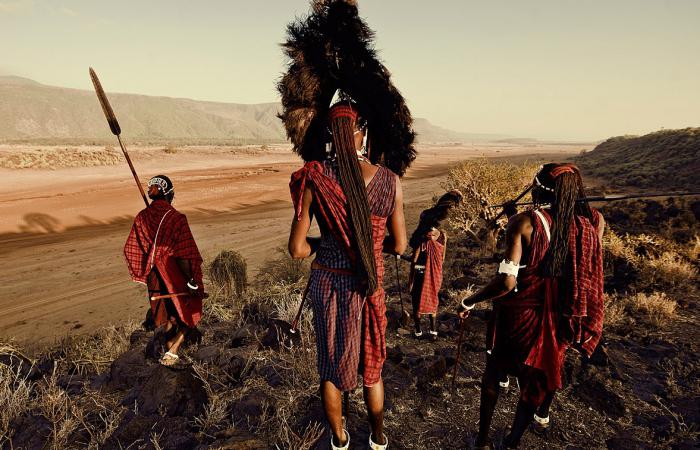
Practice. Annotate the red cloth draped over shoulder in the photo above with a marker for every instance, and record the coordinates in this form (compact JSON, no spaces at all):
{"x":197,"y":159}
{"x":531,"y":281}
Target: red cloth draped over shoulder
{"x":331,"y":206}
{"x":530,"y":320}
{"x":159,"y":237}
{"x":434,"y":251}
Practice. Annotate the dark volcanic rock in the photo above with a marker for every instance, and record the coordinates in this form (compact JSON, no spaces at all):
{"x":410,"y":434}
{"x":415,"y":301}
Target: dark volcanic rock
{"x":242,"y":336}
{"x":209,"y":354}
{"x":128,"y":369}
{"x":625,"y":441}
{"x":279,"y":335}
{"x":599,"y":397}
{"x":30,"y":431}
{"x":235,"y":440}
{"x":17,"y":363}
{"x":232,"y":364}
{"x":430,"y":369}
{"x":397,"y":379}
{"x":249,"y":409}
{"x":172,"y":393}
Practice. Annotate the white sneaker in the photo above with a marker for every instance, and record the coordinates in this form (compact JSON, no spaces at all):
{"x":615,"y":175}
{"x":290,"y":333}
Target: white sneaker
{"x":347,"y":443}
{"x":375,"y":446}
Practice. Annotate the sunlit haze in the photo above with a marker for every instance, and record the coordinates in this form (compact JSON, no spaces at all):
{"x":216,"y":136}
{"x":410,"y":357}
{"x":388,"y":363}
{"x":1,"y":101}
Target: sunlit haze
{"x":557,"y":69}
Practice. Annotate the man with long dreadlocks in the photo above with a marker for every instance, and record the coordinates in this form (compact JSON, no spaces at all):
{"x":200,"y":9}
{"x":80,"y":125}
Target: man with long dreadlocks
{"x":162,"y":254}
{"x":352,"y":189}
{"x":429,"y":244}
{"x":549,"y":290}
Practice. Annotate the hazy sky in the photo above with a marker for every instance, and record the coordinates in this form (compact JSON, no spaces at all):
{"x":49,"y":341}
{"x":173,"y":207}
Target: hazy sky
{"x":558,"y":69}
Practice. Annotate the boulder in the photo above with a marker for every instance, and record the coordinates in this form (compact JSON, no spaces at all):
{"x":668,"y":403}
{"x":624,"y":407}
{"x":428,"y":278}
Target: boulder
{"x":30,"y":431}
{"x":172,"y":393}
{"x":248,"y":410}
{"x":128,"y":369}
{"x":208,"y":355}
{"x":279,"y":336}
{"x":242,"y":336}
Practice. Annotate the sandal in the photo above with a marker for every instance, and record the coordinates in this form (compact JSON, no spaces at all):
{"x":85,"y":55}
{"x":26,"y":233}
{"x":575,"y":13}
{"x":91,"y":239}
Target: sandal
{"x":169,"y":359}
{"x":374,"y":446}
{"x":541,"y":424}
{"x":503,"y":386}
{"x":344,"y":447}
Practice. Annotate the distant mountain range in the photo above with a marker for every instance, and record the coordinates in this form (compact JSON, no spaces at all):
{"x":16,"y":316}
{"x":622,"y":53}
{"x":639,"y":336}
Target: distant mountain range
{"x":31,"y":111}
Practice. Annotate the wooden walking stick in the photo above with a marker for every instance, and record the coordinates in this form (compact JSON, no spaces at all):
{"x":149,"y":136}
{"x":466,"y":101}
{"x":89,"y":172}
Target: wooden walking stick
{"x":459,"y":353}
{"x":295,"y":323}
{"x":114,"y":126}
{"x":462,"y":323}
{"x":405,"y":318}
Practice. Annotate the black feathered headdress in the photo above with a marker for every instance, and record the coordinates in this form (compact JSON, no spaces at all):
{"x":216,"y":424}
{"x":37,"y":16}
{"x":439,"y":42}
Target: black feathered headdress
{"x":433,"y":217}
{"x":332,"y":50}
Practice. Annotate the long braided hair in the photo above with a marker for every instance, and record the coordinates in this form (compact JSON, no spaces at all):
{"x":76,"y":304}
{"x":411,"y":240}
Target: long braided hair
{"x":343,"y":118}
{"x":560,"y":185}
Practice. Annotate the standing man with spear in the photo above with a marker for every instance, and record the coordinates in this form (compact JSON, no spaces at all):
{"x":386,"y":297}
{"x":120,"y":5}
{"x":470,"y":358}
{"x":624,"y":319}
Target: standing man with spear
{"x":162,"y":254}
{"x":549,"y":290}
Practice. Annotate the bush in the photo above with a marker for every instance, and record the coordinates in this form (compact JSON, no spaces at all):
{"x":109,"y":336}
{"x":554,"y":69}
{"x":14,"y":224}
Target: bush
{"x":485,"y":183}
{"x":228,"y":273}
{"x":284,"y":269}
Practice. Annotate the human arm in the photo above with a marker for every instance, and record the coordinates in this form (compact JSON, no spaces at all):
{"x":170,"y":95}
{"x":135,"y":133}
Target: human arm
{"x":300,"y":246}
{"x":444,"y":248}
{"x":501,"y":284}
{"x":396,"y":241}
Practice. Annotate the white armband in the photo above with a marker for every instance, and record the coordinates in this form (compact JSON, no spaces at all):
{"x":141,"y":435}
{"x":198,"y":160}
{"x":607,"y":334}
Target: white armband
{"x":509,"y":268}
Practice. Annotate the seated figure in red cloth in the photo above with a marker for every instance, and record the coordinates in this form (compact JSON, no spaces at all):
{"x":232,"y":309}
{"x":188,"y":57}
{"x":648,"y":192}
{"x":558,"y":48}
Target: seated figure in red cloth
{"x":355,"y":203}
{"x":162,"y":254}
{"x":549,"y":293}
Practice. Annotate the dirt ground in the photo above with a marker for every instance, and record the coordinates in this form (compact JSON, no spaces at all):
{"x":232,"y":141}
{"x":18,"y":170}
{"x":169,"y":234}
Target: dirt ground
{"x":62,"y":230}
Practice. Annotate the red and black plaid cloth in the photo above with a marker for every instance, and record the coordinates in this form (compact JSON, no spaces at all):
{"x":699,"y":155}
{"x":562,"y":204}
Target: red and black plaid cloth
{"x":433,"y":251}
{"x":350,"y":327}
{"x":159,"y":237}
{"x":532,"y":326}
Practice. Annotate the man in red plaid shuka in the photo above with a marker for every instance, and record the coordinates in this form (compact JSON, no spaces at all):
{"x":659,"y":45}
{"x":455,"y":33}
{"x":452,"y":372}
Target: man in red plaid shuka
{"x":346,"y":290}
{"x":549,"y":293}
{"x":425,"y":279}
{"x":162,"y":254}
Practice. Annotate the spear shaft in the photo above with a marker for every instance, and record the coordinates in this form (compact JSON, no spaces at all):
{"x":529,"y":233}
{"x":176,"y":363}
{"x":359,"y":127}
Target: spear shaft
{"x":116,"y":129}
{"x":616,"y":197}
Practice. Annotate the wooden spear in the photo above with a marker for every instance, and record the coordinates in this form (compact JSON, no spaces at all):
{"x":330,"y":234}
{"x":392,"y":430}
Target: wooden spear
{"x":114,"y":126}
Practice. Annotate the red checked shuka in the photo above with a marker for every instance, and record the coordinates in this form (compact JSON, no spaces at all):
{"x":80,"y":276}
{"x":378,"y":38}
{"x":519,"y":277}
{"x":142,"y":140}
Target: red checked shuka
{"x":159,"y":237}
{"x":533,"y":326}
{"x":350,"y":326}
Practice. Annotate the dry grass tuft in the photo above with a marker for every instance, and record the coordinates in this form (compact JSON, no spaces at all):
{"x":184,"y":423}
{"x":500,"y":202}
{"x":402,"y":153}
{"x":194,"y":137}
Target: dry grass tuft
{"x":654,"y":310}
{"x":657,"y":307}
{"x":228,"y":273}
{"x":15,"y":395}
{"x":282,"y":269}
{"x":93,"y":354}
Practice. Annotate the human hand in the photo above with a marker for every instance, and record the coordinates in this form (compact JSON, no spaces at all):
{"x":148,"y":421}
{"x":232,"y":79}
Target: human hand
{"x":463,"y":310}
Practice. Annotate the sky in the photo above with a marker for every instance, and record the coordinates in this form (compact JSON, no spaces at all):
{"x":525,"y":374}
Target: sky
{"x":548,"y":69}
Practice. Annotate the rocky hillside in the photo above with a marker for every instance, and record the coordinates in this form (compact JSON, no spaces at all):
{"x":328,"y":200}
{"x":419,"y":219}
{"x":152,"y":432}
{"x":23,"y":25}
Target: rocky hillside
{"x":30,"y":111}
{"x":668,"y":159}
{"x":247,"y":384}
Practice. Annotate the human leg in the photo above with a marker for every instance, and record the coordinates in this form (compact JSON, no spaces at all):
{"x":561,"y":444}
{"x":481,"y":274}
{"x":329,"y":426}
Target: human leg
{"x":331,"y":397}
{"x":374,"y":400}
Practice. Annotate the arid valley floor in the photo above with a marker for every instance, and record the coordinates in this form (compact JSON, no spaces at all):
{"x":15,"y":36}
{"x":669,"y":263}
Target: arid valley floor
{"x":62,"y":230}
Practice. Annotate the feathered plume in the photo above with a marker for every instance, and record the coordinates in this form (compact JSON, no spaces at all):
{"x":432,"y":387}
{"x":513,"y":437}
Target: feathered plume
{"x":434,"y":216}
{"x":106,"y":107}
{"x":332,"y":49}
